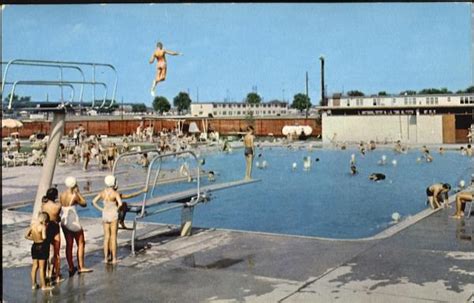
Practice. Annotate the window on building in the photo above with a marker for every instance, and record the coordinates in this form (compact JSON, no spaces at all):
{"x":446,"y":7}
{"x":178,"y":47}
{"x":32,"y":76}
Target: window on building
{"x":224,"y":113}
{"x":214,"y":105}
{"x":215,"y":113}
{"x":436,"y":100}
{"x":449,"y":99}
{"x":471,"y":100}
{"x":200,"y":113}
{"x":238,"y":112}
{"x":283,"y":111}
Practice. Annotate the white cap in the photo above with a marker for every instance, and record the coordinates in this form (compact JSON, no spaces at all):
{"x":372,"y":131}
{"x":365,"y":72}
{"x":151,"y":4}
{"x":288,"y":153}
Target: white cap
{"x":109,"y":181}
{"x":70,"y":182}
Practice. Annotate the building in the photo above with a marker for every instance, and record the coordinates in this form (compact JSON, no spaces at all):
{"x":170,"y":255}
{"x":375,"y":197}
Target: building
{"x":423,"y":119}
{"x":238,"y":109}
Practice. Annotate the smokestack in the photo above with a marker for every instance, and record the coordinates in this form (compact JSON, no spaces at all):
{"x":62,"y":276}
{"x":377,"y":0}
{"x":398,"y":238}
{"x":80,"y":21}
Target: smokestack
{"x":323,"y":93}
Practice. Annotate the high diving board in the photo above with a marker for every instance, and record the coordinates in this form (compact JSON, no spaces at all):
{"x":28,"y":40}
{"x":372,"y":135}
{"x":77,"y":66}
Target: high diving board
{"x":185,"y":196}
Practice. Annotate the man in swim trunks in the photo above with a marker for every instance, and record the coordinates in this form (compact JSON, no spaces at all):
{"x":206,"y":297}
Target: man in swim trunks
{"x":71,"y":226}
{"x":249,"y":152}
{"x":436,"y":192}
{"x":39,"y":250}
{"x":53,"y":209}
{"x":111,"y":153}
{"x":461,"y":199}
{"x":160,"y":55}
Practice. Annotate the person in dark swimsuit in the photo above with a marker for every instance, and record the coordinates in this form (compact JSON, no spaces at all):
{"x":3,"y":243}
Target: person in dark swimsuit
{"x":436,"y":193}
{"x":248,"y":145}
{"x":39,"y":250}
{"x":377,"y":177}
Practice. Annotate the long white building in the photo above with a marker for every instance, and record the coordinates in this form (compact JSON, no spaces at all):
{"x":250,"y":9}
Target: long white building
{"x":423,"y":119}
{"x":239,"y":109}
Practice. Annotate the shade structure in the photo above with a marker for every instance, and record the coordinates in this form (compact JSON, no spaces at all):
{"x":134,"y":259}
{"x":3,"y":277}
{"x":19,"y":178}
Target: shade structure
{"x":193,"y":128}
{"x":298,"y":129}
{"x":11,"y":123}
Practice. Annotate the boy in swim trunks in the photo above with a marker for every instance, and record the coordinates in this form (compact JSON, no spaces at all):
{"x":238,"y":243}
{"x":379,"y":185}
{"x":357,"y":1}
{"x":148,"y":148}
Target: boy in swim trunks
{"x":53,"y":209}
{"x":437,"y":191}
{"x":39,"y":250}
{"x":249,"y":151}
{"x":160,"y":55}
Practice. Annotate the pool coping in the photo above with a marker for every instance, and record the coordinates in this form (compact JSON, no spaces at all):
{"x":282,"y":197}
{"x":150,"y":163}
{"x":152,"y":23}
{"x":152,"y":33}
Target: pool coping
{"x":386,"y":233}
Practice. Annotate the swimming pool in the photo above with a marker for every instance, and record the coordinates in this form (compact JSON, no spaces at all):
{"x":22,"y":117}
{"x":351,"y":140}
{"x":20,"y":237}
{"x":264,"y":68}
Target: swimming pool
{"x":324,"y":201}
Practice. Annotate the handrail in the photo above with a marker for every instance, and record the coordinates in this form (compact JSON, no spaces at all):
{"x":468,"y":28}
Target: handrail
{"x":39,"y":83}
{"x":150,"y":167}
{"x":53,"y":83}
{"x":74,"y":63}
{"x":123,"y":155}
{"x":60,"y":66}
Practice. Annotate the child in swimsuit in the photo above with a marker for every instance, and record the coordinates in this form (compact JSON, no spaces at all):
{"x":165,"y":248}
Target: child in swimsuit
{"x":39,"y":250}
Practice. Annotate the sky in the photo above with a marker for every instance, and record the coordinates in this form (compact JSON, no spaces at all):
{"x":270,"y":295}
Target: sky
{"x":231,"y":49}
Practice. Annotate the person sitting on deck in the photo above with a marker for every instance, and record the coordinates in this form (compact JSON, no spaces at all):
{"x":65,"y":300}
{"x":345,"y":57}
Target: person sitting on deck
{"x":437,"y":192}
{"x":461,"y":199}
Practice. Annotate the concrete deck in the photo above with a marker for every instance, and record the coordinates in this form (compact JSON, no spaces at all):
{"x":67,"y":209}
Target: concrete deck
{"x":430,"y":261}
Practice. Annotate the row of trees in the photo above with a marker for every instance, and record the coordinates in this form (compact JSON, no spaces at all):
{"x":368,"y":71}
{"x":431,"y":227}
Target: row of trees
{"x":183,"y":102}
{"x":425,"y":91}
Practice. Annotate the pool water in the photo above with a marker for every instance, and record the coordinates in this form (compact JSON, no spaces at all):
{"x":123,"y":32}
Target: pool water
{"x":324,"y":201}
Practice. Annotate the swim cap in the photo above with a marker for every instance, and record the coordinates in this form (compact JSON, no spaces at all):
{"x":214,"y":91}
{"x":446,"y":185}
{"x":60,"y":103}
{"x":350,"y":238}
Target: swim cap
{"x":70,"y":182}
{"x":109,"y":181}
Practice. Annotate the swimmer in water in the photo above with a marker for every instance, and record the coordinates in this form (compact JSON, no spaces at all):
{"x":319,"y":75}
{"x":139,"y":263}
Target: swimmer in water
{"x":377,"y":176}
{"x":353,"y":169}
{"x":160,"y":56}
{"x":362,"y":148}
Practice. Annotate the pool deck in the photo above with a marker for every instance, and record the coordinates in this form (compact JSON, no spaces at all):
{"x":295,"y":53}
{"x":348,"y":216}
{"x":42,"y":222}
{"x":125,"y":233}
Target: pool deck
{"x":429,"y":261}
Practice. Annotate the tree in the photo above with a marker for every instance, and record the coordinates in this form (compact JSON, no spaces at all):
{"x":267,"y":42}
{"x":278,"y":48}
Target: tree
{"x":182,"y":102}
{"x":301,"y":102}
{"x":383,"y":93}
{"x":408,"y":92}
{"x":161,"y":104}
{"x":434,"y":91}
{"x":138,"y":108}
{"x":470,"y":90}
{"x":355,"y":93}
{"x":253,"y":98}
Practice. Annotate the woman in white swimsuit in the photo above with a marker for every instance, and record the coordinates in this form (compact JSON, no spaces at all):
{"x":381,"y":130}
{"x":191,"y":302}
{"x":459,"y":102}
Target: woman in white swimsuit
{"x":112,"y":202}
{"x":71,"y":226}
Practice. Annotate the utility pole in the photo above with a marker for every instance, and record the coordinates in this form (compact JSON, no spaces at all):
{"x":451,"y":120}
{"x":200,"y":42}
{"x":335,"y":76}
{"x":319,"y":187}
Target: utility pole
{"x":307,"y":97}
{"x":122,"y":108}
{"x":323,"y":98}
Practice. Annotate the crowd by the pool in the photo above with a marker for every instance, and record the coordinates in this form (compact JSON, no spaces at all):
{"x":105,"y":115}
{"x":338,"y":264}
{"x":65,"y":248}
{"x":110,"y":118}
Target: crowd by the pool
{"x":58,"y":211}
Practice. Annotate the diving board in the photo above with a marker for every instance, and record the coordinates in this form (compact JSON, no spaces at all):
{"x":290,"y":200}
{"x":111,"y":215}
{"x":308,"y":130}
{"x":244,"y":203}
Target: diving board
{"x":186,"y":200}
{"x":188,"y":194}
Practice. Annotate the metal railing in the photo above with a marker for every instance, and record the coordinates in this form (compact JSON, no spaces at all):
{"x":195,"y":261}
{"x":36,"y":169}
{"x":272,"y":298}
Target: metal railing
{"x":59,"y":66}
{"x":53,"y":83}
{"x":39,"y":83}
{"x":64,"y":64}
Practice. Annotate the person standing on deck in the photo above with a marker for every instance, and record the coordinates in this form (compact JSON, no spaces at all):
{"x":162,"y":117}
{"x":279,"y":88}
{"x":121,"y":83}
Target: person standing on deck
{"x":249,"y":152}
{"x":160,"y":55}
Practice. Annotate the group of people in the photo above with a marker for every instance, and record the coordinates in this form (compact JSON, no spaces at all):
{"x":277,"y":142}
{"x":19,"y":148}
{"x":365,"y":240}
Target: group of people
{"x":56,"y":215}
{"x":438,"y":196}
{"x":45,"y":233}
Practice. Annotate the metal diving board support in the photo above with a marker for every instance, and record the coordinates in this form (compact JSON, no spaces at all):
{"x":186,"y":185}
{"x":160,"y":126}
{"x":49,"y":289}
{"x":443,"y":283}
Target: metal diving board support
{"x":33,"y":63}
{"x":74,"y":63}
{"x":38,"y":83}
